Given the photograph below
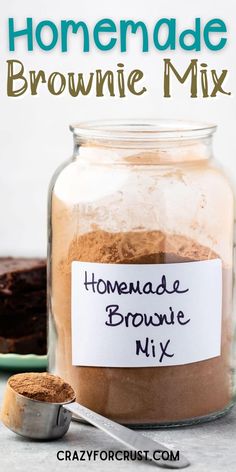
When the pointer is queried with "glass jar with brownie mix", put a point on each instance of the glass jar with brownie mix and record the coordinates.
(140, 273)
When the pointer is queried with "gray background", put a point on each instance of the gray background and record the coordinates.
(210, 447)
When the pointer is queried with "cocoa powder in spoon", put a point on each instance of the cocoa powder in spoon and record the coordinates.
(42, 387)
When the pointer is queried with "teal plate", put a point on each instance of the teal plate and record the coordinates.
(19, 362)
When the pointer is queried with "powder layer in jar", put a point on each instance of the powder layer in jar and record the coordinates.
(135, 395)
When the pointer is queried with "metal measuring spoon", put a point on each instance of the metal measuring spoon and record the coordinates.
(43, 420)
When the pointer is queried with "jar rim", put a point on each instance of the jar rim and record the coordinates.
(137, 130)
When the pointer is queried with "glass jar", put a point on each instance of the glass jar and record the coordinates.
(140, 273)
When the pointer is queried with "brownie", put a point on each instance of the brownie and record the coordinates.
(14, 326)
(23, 303)
(22, 274)
(31, 344)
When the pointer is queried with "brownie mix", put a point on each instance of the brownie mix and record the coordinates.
(174, 392)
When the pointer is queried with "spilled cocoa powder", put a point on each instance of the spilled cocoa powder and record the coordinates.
(136, 395)
(42, 387)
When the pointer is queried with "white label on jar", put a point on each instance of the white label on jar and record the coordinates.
(146, 315)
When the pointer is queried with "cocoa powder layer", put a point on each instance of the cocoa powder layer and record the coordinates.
(139, 247)
(136, 395)
(42, 387)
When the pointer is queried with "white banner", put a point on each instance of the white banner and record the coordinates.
(146, 315)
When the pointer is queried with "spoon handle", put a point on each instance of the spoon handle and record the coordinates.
(130, 438)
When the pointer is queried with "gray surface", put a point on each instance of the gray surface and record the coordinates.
(210, 448)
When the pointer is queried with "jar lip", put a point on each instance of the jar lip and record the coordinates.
(137, 130)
